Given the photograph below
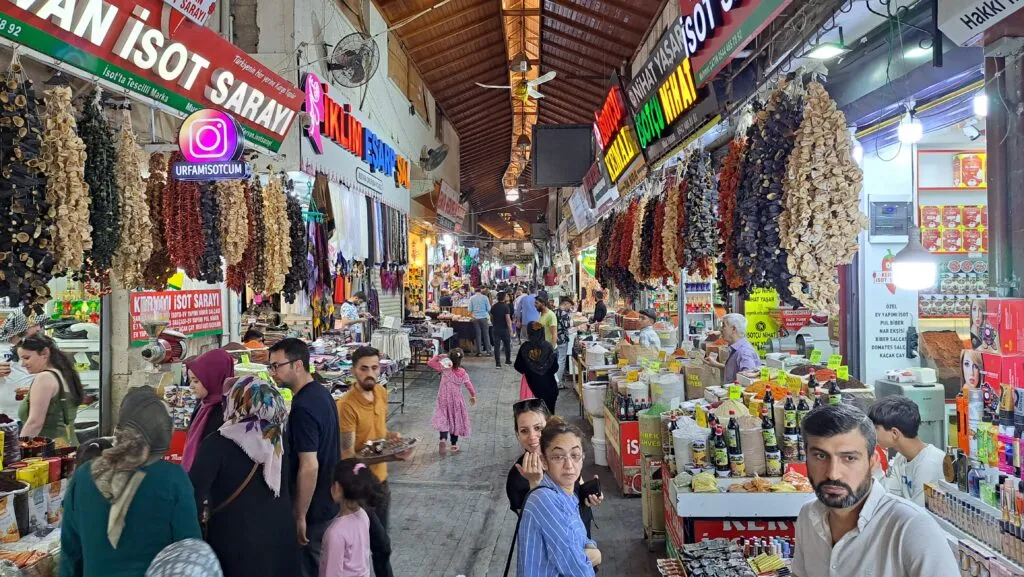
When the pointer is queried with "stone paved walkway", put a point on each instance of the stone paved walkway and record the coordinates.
(450, 516)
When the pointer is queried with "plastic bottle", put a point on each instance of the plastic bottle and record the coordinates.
(771, 441)
(835, 395)
(802, 408)
(973, 481)
(732, 434)
(789, 418)
(721, 454)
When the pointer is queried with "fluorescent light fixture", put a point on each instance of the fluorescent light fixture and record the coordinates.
(914, 268)
(828, 50)
(512, 195)
(917, 52)
(910, 130)
(981, 104)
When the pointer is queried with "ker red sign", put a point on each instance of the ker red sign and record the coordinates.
(150, 49)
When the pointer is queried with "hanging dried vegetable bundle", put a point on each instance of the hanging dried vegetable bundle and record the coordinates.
(26, 260)
(647, 238)
(257, 278)
(238, 273)
(183, 222)
(684, 188)
(604, 245)
(701, 250)
(822, 218)
(636, 244)
(159, 267)
(626, 237)
(728, 183)
(210, 269)
(615, 243)
(133, 253)
(66, 189)
(657, 256)
(670, 238)
(105, 215)
(278, 247)
(234, 220)
(298, 273)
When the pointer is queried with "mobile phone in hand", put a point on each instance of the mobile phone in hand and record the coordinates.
(591, 487)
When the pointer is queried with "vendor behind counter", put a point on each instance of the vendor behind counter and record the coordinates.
(743, 355)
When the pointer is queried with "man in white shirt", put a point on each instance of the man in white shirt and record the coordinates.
(12, 375)
(648, 337)
(897, 420)
(855, 527)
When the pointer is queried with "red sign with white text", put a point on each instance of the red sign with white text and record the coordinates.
(194, 313)
(150, 49)
(743, 528)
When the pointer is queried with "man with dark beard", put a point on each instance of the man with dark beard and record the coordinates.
(856, 527)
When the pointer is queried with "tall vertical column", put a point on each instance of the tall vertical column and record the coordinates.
(998, 144)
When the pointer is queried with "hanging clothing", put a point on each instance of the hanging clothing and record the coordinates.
(322, 200)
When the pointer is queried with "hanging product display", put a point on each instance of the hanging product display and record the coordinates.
(278, 243)
(636, 242)
(136, 246)
(658, 269)
(821, 219)
(298, 272)
(25, 217)
(603, 272)
(700, 234)
(159, 267)
(210, 269)
(100, 174)
(728, 184)
(234, 220)
(257, 278)
(239, 273)
(670, 239)
(183, 222)
(66, 189)
(647, 237)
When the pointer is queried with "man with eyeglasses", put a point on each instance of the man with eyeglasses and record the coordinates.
(313, 449)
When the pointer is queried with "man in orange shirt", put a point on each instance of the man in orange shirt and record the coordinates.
(362, 416)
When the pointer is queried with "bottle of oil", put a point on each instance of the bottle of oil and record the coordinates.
(721, 452)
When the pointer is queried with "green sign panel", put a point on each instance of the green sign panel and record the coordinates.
(589, 262)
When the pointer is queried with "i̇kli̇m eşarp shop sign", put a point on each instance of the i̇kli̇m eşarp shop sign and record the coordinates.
(151, 50)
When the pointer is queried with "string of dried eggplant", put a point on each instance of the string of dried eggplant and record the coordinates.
(701, 246)
(105, 206)
(238, 273)
(66, 189)
(298, 273)
(234, 220)
(278, 247)
(210, 269)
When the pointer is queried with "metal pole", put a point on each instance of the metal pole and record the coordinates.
(996, 143)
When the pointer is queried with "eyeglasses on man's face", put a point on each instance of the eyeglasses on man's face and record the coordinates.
(274, 366)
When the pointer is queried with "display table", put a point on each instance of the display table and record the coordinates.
(623, 451)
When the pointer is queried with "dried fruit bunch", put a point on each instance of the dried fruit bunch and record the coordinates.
(159, 267)
(680, 201)
(604, 245)
(238, 273)
(298, 273)
(100, 163)
(728, 183)
(234, 220)
(657, 256)
(136, 245)
(670, 231)
(770, 265)
(626, 236)
(747, 199)
(257, 277)
(701, 246)
(66, 189)
(26, 260)
(635, 255)
(183, 222)
(278, 247)
(647, 231)
(822, 218)
(210, 269)
(611, 256)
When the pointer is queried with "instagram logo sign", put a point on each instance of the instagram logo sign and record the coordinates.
(210, 136)
(314, 107)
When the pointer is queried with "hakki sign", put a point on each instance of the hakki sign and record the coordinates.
(150, 49)
(212, 143)
(335, 121)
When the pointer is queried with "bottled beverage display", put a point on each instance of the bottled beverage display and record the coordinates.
(712, 424)
(789, 413)
(737, 465)
(721, 452)
(790, 434)
(732, 433)
(802, 408)
(835, 396)
(771, 442)
(812, 383)
(769, 400)
(630, 408)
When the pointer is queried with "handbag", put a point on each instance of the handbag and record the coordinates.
(208, 512)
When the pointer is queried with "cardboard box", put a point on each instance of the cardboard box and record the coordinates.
(651, 471)
(997, 325)
(992, 373)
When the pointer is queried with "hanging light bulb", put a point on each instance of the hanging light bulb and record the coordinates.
(913, 267)
(910, 130)
(512, 195)
(981, 104)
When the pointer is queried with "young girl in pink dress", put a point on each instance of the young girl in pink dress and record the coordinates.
(451, 416)
(346, 544)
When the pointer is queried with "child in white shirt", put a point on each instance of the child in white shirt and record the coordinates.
(897, 420)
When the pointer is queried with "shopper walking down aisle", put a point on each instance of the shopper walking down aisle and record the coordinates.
(856, 527)
(564, 316)
(240, 474)
(313, 450)
(208, 374)
(897, 420)
(122, 508)
(552, 540)
(548, 320)
(50, 408)
(526, 313)
(450, 414)
(501, 321)
(347, 543)
(538, 362)
(480, 308)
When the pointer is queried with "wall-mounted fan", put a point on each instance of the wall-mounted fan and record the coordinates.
(432, 158)
(354, 60)
(525, 89)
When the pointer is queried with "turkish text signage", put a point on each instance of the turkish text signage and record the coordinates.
(676, 95)
(150, 49)
(195, 313)
(614, 133)
(450, 213)
(964, 20)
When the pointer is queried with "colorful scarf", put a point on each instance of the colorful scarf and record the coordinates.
(254, 420)
(212, 369)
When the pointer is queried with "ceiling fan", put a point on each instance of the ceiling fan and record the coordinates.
(525, 89)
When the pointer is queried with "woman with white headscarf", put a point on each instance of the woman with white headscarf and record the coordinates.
(238, 475)
(122, 508)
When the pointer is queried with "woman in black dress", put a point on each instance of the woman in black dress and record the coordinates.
(538, 362)
(238, 474)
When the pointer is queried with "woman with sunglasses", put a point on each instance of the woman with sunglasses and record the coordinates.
(552, 540)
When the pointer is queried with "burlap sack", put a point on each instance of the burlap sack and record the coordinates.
(753, 445)
(650, 434)
(698, 377)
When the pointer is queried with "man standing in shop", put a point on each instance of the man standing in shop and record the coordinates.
(547, 319)
(314, 448)
(480, 309)
(13, 376)
(349, 316)
(856, 527)
(501, 320)
(742, 356)
(648, 337)
(897, 420)
(600, 310)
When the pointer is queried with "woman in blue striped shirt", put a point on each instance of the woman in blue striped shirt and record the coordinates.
(552, 539)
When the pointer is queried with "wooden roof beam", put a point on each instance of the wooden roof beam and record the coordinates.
(587, 99)
(441, 38)
(548, 30)
(586, 57)
(549, 56)
(423, 24)
(485, 96)
(445, 52)
(471, 73)
(603, 18)
(587, 30)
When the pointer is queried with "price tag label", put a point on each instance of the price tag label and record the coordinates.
(735, 392)
(674, 367)
(623, 363)
(843, 373)
(655, 365)
(766, 373)
(780, 375)
(701, 417)
(835, 361)
(816, 356)
(632, 376)
(245, 359)
(661, 355)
